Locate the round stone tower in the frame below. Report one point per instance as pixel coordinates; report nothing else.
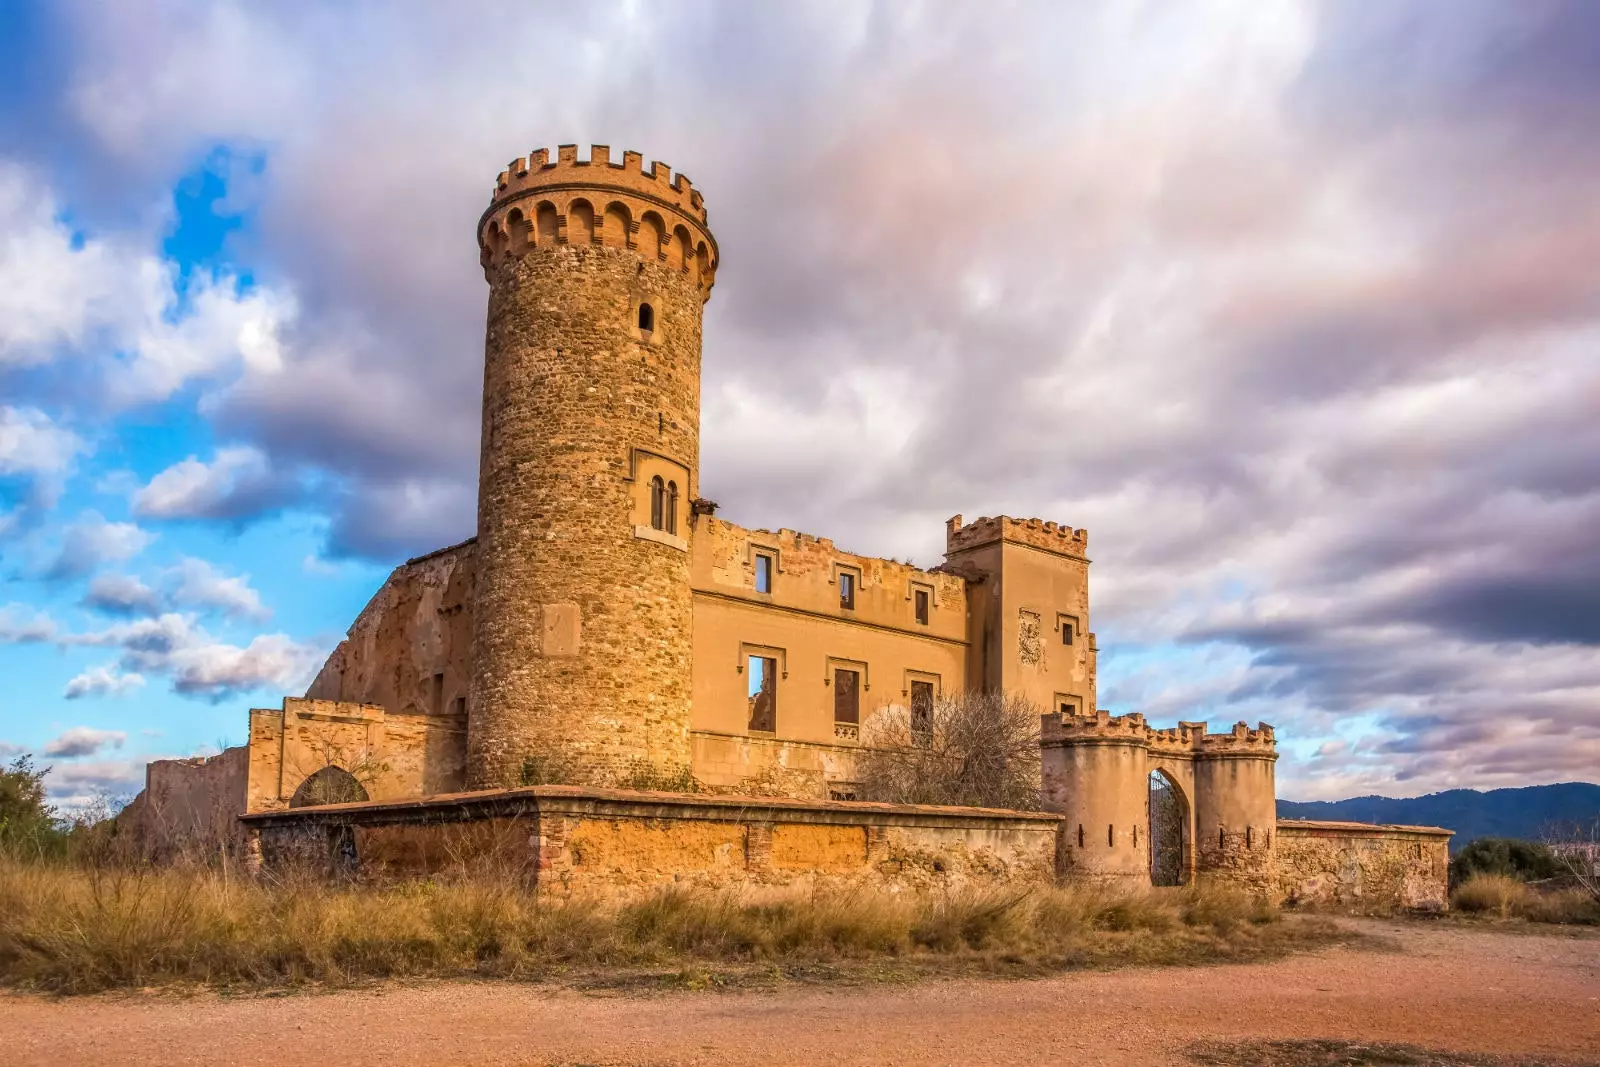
(597, 276)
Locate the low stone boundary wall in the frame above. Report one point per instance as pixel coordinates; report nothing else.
(1354, 866)
(568, 839)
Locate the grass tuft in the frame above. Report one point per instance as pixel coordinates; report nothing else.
(73, 929)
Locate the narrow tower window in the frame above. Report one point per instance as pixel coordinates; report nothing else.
(1066, 632)
(658, 503)
(763, 573)
(922, 606)
(922, 714)
(647, 318)
(847, 696)
(672, 507)
(847, 589)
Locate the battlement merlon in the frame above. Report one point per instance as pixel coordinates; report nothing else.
(536, 171)
(1036, 533)
(1100, 727)
(595, 202)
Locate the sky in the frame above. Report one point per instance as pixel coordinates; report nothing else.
(1294, 306)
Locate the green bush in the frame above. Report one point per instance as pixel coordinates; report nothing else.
(28, 825)
(1526, 861)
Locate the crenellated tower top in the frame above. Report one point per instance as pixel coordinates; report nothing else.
(1049, 536)
(1186, 740)
(568, 201)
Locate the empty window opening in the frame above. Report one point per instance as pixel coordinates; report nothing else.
(763, 693)
(436, 695)
(1066, 632)
(847, 590)
(846, 696)
(1166, 836)
(647, 318)
(658, 503)
(922, 599)
(922, 714)
(1080, 835)
(672, 507)
(458, 706)
(763, 573)
(1068, 709)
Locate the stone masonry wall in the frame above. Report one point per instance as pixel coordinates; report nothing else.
(1362, 867)
(570, 840)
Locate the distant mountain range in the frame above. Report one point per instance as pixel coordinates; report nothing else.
(1521, 813)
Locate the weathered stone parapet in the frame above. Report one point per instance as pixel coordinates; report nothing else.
(566, 839)
(1049, 536)
(1362, 867)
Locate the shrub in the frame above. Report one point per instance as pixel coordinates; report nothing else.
(1526, 861)
(28, 825)
(973, 749)
(1505, 897)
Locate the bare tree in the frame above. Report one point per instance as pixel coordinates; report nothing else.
(978, 749)
(1576, 848)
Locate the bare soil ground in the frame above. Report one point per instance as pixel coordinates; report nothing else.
(1463, 995)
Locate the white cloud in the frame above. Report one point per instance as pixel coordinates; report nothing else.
(172, 645)
(32, 444)
(65, 296)
(102, 681)
(20, 624)
(84, 741)
(92, 541)
(122, 594)
(238, 481)
(202, 585)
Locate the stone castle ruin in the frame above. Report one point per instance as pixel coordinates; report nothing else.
(543, 693)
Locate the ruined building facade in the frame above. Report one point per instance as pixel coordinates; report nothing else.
(606, 628)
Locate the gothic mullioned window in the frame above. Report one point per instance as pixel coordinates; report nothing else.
(658, 503)
(672, 508)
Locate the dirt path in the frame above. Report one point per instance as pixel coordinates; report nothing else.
(1448, 988)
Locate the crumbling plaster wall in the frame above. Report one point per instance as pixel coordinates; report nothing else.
(189, 807)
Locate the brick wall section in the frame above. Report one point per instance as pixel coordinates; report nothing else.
(570, 840)
(1360, 867)
(582, 630)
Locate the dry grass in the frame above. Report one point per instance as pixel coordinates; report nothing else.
(1330, 1053)
(75, 930)
(1500, 896)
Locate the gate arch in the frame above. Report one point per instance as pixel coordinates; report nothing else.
(1169, 821)
(330, 785)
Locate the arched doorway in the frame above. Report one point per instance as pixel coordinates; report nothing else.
(1169, 816)
(331, 785)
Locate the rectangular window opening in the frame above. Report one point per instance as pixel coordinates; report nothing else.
(922, 714)
(846, 696)
(1068, 709)
(763, 692)
(922, 606)
(763, 573)
(436, 700)
(847, 590)
(1066, 632)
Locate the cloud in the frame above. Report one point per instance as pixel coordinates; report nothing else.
(32, 444)
(102, 681)
(202, 585)
(238, 483)
(1293, 306)
(122, 594)
(65, 295)
(84, 741)
(91, 542)
(172, 645)
(86, 785)
(21, 625)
